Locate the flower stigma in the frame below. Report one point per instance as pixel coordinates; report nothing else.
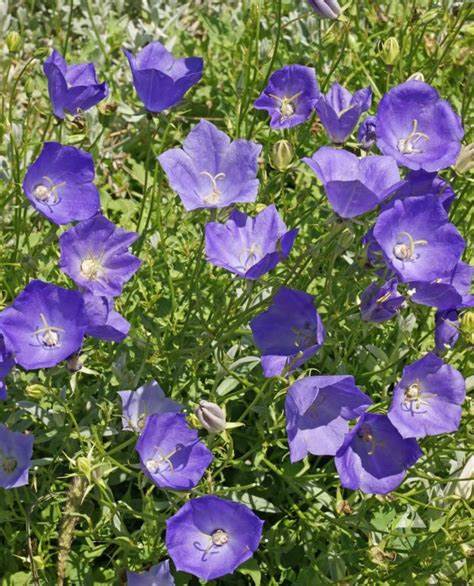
(405, 251)
(410, 144)
(286, 105)
(48, 335)
(215, 195)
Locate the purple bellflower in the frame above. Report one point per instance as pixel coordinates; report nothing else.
(446, 292)
(317, 410)
(210, 537)
(170, 452)
(94, 253)
(59, 184)
(16, 450)
(249, 247)
(326, 8)
(374, 456)
(158, 575)
(103, 322)
(446, 329)
(44, 325)
(366, 134)
(288, 333)
(146, 400)
(160, 79)
(210, 171)
(417, 239)
(417, 128)
(354, 186)
(6, 365)
(72, 88)
(381, 302)
(423, 183)
(290, 96)
(339, 111)
(428, 398)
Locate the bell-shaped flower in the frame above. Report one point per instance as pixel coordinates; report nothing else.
(16, 450)
(103, 322)
(146, 400)
(158, 575)
(379, 303)
(446, 329)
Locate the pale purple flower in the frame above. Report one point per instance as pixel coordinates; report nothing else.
(160, 79)
(375, 457)
(146, 400)
(103, 322)
(417, 128)
(59, 184)
(6, 364)
(44, 325)
(210, 537)
(95, 255)
(16, 450)
(428, 398)
(448, 291)
(379, 303)
(288, 333)
(210, 171)
(366, 135)
(290, 96)
(249, 247)
(317, 410)
(354, 186)
(171, 454)
(446, 329)
(158, 575)
(423, 183)
(326, 8)
(339, 110)
(72, 88)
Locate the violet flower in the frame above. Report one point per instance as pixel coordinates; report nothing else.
(44, 325)
(417, 128)
(94, 253)
(160, 79)
(447, 292)
(6, 364)
(72, 88)
(354, 186)
(317, 410)
(288, 333)
(249, 247)
(16, 450)
(290, 96)
(428, 398)
(210, 171)
(423, 183)
(446, 329)
(366, 134)
(170, 452)
(379, 303)
(158, 575)
(103, 322)
(417, 239)
(339, 111)
(326, 8)
(375, 457)
(59, 184)
(210, 537)
(146, 400)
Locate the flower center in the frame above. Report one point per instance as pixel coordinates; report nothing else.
(7, 464)
(214, 196)
(365, 434)
(91, 268)
(162, 463)
(305, 336)
(410, 145)
(405, 251)
(48, 336)
(414, 397)
(286, 105)
(251, 255)
(219, 537)
(47, 192)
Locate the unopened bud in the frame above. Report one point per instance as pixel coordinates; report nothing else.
(35, 391)
(417, 76)
(211, 416)
(74, 363)
(282, 155)
(465, 160)
(326, 8)
(390, 51)
(84, 465)
(467, 326)
(13, 41)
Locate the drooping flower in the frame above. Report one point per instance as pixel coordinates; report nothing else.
(146, 400)
(417, 128)
(249, 247)
(417, 239)
(317, 410)
(94, 253)
(103, 322)
(366, 135)
(6, 364)
(210, 537)
(423, 183)
(59, 184)
(170, 452)
(326, 8)
(339, 111)
(16, 450)
(158, 575)
(354, 186)
(211, 416)
(428, 398)
(446, 329)
(44, 325)
(290, 96)
(288, 333)
(160, 79)
(380, 302)
(375, 457)
(452, 290)
(210, 171)
(72, 88)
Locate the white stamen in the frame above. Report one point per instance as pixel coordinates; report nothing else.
(406, 251)
(91, 268)
(410, 144)
(214, 196)
(219, 537)
(287, 108)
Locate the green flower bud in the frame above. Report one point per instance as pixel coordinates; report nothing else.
(282, 155)
(84, 466)
(467, 326)
(35, 391)
(465, 160)
(390, 51)
(211, 417)
(417, 76)
(13, 41)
